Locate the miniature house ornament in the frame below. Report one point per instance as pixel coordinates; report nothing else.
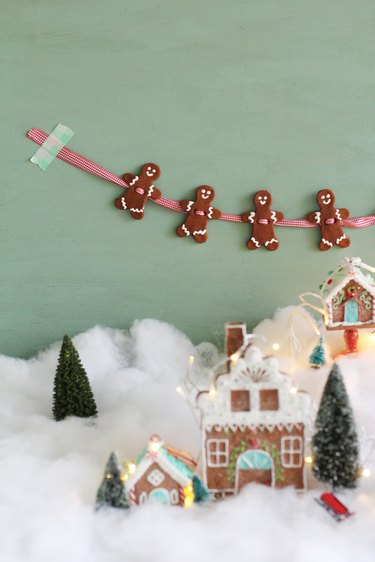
(162, 475)
(348, 296)
(254, 424)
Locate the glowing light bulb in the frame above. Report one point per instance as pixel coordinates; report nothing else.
(275, 346)
(293, 390)
(308, 459)
(179, 390)
(108, 476)
(124, 477)
(366, 472)
(212, 392)
(191, 359)
(131, 467)
(234, 358)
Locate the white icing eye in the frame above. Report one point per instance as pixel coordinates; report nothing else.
(154, 171)
(208, 192)
(148, 168)
(203, 191)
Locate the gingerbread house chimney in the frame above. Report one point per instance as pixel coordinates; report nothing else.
(235, 335)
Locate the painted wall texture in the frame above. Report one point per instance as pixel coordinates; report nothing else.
(239, 94)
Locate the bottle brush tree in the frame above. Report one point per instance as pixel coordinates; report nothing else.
(200, 493)
(335, 443)
(112, 492)
(72, 394)
(318, 356)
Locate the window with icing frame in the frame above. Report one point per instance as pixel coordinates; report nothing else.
(291, 452)
(240, 400)
(269, 399)
(217, 452)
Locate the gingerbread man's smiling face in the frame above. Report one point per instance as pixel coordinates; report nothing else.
(205, 193)
(262, 199)
(151, 171)
(325, 197)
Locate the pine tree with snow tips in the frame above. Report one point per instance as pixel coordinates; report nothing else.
(112, 490)
(72, 394)
(335, 443)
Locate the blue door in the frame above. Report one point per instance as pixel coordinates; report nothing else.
(159, 495)
(351, 312)
(254, 466)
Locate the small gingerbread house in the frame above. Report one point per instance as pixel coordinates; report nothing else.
(349, 296)
(253, 422)
(162, 475)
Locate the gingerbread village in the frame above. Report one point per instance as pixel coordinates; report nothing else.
(256, 426)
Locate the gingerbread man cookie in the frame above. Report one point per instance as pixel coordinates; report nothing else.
(262, 221)
(198, 213)
(140, 188)
(329, 219)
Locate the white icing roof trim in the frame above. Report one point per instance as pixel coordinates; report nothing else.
(164, 464)
(254, 372)
(354, 272)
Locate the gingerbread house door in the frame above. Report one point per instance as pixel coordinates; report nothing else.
(351, 312)
(254, 466)
(159, 495)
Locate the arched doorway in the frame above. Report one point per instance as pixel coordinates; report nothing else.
(254, 465)
(159, 495)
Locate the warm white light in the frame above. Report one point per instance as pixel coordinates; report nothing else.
(293, 390)
(191, 359)
(131, 468)
(275, 346)
(234, 358)
(179, 390)
(308, 459)
(212, 392)
(366, 472)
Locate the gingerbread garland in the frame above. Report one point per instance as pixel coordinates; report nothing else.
(139, 188)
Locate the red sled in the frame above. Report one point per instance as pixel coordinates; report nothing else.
(334, 507)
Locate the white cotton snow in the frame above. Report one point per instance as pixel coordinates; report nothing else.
(50, 471)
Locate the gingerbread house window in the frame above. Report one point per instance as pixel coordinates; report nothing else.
(155, 477)
(240, 400)
(291, 452)
(217, 452)
(269, 399)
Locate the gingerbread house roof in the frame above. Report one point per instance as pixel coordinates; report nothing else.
(255, 373)
(174, 467)
(351, 269)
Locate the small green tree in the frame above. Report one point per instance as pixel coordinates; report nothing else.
(112, 492)
(72, 394)
(200, 493)
(318, 356)
(335, 443)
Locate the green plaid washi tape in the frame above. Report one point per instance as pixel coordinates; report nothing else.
(48, 151)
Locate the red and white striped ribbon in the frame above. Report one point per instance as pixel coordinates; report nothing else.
(87, 165)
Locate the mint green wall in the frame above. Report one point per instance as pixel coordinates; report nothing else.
(239, 94)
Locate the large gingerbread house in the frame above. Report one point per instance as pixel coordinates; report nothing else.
(349, 296)
(161, 475)
(253, 422)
